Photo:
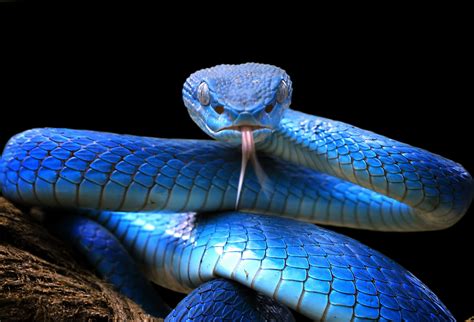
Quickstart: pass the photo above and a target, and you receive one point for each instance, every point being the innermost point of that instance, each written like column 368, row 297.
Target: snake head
column 225, row 99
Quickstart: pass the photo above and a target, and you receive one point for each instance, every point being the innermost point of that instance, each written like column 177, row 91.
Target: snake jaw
column 233, row 134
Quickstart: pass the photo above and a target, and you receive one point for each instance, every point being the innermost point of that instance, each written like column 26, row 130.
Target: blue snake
column 165, row 209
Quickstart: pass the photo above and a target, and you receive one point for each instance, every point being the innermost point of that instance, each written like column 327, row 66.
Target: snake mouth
column 244, row 126
column 233, row 134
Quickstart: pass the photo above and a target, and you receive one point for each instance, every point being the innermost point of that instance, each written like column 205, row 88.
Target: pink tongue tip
column 248, row 152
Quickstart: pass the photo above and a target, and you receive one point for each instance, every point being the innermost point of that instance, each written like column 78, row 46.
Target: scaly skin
column 228, row 301
column 438, row 191
column 314, row 271
column 320, row 171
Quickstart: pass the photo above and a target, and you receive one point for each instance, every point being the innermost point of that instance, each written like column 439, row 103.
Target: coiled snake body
column 171, row 205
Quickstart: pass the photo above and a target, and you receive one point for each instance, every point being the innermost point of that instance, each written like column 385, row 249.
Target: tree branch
column 40, row 279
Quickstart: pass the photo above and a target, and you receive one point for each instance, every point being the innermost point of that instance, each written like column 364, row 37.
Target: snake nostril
column 219, row 109
column 269, row 108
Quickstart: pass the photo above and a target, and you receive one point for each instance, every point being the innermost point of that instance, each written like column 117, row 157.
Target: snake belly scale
column 170, row 203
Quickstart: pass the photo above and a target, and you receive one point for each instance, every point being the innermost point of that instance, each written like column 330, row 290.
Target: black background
column 406, row 81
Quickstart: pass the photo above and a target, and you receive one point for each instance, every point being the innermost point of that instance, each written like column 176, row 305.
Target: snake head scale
column 225, row 99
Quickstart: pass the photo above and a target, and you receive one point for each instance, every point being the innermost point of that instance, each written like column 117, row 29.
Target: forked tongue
column 248, row 152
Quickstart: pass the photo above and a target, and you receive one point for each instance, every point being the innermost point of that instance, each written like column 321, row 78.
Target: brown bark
column 40, row 279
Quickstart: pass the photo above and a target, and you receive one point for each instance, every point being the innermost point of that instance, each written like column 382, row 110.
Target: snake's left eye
column 203, row 94
column 282, row 92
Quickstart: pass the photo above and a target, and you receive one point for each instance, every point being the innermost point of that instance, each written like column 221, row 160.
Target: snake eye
column 269, row 108
column 203, row 94
column 282, row 92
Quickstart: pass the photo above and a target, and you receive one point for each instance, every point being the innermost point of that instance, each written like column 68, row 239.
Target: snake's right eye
column 203, row 94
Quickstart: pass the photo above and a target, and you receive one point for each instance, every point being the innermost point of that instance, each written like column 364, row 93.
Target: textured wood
column 40, row 279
